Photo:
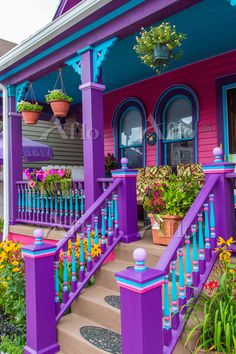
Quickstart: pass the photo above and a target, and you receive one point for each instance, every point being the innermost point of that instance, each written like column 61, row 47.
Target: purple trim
column 64, row 6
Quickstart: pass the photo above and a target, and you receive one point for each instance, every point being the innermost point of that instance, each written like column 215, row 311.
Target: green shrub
column 28, row 106
column 57, row 95
column 9, row 346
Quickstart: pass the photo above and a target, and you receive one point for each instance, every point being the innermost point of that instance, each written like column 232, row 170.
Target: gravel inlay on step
column 102, row 338
column 113, row 300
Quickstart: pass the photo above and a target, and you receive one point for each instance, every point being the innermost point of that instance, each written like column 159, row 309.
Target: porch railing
column 50, row 208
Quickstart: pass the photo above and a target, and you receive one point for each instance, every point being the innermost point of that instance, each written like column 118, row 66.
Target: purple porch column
column 40, row 303
column 127, row 202
column 223, row 194
column 93, row 127
column 15, row 154
column 141, row 307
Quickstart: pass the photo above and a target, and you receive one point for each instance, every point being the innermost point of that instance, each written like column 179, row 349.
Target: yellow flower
column 96, row 251
column 220, row 241
column 15, row 263
column 16, row 270
column 229, row 241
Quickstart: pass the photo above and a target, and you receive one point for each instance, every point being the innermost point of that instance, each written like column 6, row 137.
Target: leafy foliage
column 28, row 106
column 58, row 95
column 11, row 346
column 110, row 163
column 164, row 34
column 214, row 314
column 1, row 225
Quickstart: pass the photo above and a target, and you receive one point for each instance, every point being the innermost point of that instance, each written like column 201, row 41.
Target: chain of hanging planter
column 58, row 99
column 29, row 107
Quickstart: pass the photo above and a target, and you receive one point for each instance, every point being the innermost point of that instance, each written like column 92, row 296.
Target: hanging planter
column 159, row 45
column 30, row 111
column 58, row 99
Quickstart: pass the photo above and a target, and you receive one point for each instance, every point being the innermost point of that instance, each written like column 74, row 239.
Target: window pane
column 131, row 128
column 180, row 152
column 231, row 101
column 178, row 120
column 135, row 156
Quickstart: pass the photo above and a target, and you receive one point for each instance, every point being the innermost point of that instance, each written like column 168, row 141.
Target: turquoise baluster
column 182, row 290
column 51, row 207
column 47, row 207
column 81, row 202
column 56, row 272
column 103, row 245
column 207, row 233
column 212, row 223
column 116, row 215
column 56, row 207
column 189, row 278
column 38, row 206
column 19, row 202
column 30, row 204
column 71, row 208
column 89, row 260
column 201, row 245
column 66, row 209
column 61, row 208
column 196, row 275
column 112, row 209
column 26, row 202
column 34, row 205
column 23, row 202
column 65, row 295
column 175, row 310
column 167, row 317
column 105, row 217
column 76, row 204
column 96, row 239
column 81, row 269
column 110, row 228
column 73, row 265
column 42, row 207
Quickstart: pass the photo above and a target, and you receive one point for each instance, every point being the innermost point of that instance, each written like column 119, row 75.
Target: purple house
column 117, row 102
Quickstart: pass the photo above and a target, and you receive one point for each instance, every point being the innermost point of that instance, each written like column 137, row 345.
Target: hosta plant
column 214, row 314
column 23, row 106
column 57, row 95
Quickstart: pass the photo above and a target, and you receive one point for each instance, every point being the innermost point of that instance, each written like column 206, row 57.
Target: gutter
column 52, row 30
column 6, row 192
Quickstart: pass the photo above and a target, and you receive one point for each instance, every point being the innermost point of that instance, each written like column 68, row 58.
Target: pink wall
column 200, row 77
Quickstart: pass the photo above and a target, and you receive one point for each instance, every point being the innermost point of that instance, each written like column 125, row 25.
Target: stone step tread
column 97, row 294
column 69, row 326
column 116, row 266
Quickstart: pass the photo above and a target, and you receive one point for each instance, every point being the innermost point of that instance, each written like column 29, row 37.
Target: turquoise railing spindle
column 81, row 259
column 189, row 277
column 23, row 202
column 19, row 201
column 167, row 315
column 66, row 209
column 89, row 259
column 207, row 233
column 112, row 209
column 34, row 205
column 26, row 201
column 61, row 208
column 42, row 206
column 96, row 235
column 30, row 203
column 81, row 202
column 38, row 206
column 46, row 207
column 116, row 215
column 65, row 295
column 56, row 207
column 56, row 275
column 105, row 217
column 71, row 208
column 51, row 207
column 201, row 245
column 110, row 229
column 196, row 275
column 182, row 290
column 76, row 204
column 103, row 231
column 212, row 223
column 175, row 310
column 73, row 265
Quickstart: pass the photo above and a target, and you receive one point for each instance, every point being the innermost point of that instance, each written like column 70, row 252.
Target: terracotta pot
column 60, row 108
column 164, row 235
column 30, row 117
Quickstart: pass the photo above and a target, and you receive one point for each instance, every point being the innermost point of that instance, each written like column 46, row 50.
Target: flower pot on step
column 30, row 117
column 162, row 234
column 60, row 108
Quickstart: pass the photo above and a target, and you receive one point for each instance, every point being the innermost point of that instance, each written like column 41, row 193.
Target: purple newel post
column 15, row 155
column 127, row 202
column 93, row 128
column 223, row 195
column 141, row 307
column 40, row 301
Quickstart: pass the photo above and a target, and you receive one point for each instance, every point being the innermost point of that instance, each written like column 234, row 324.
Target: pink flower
column 52, row 172
column 61, row 173
column 32, row 184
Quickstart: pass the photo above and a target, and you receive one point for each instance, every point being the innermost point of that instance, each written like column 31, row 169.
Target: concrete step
column 70, row 339
column 105, row 277
column 92, row 305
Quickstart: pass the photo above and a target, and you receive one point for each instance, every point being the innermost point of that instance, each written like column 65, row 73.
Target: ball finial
column 124, row 163
column 38, row 234
column 218, row 154
column 140, row 256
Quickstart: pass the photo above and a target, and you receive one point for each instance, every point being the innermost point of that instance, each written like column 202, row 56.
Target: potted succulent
column 166, row 204
column 157, row 46
column 59, row 102
column 110, row 164
column 1, row 228
column 30, row 111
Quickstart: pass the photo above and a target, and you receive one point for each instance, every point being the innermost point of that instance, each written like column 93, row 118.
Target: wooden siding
column 201, row 77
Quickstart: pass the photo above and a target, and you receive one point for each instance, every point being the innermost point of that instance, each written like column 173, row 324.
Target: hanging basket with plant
column 30, row 109
column 159, row 45
column 58, row 99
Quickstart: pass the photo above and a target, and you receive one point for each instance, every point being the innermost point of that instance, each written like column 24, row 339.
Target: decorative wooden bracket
column 100, row 53
column 21, row 90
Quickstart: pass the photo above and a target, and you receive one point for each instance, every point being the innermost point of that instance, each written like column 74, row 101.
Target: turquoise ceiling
column 211, row 29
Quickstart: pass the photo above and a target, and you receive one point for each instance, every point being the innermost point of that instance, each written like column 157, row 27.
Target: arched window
column 128, row 129
column 177, row 114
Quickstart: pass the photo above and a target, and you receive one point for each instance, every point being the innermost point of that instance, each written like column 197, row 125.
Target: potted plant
column 166, row 204
column 1, row 228
column 59, row 102
column 213, row 315
column 30, row 111
column 110, row 164
column 157, row 46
